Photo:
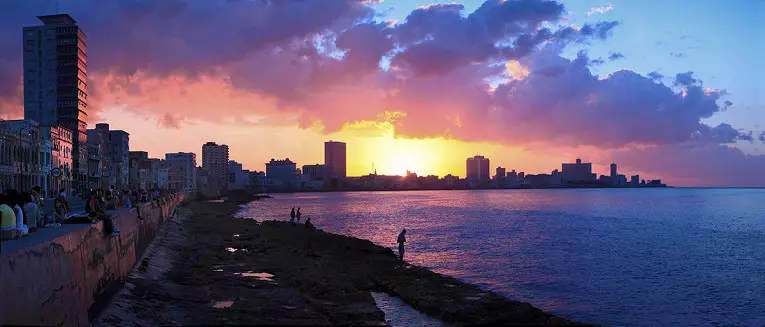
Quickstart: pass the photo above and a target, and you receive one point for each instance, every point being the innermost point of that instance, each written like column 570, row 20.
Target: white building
column 55, row 82
column 282, row 173
column 189, row 160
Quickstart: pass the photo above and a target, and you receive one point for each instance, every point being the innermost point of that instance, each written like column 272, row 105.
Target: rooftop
column 63, row 19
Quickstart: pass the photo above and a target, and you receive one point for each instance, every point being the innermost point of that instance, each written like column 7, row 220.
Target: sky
column 666, row 89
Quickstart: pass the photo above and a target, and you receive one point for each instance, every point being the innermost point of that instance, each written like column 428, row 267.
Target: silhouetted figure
column 401, row 240
column 297, row 215
column 308, row 223
column 292, row 216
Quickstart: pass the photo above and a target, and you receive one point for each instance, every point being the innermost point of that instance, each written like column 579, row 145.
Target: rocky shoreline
column 238, row 271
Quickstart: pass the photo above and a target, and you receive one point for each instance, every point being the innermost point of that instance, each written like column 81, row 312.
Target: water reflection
column 623, row 257
column 222, row 304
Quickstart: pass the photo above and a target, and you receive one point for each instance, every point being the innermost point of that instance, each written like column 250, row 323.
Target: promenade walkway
column 77, row 208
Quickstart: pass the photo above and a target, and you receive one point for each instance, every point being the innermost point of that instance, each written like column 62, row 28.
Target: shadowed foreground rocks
column 277, row 273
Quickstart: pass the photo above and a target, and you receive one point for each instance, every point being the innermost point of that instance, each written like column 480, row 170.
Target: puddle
column 261, row 276
column 400, row 314
column 215, row 201
column 236, row 235
column 232, row 250
column 222, row 304
column 218, row 269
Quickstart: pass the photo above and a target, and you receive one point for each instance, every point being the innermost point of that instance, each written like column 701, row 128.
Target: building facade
column 55, row 83
column 60, row 156
column 577, row 172
column 313, row 172
column 141, row 177
column 478, row 169
column 119, row 142
column 21, row 155
column 188, row 161
column 215, row 160
column 334, row 159
column 282, row 172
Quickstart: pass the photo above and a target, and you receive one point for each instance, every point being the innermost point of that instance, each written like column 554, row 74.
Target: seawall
column 66, row 279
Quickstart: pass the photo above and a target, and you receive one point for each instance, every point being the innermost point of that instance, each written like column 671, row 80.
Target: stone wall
column 66, row 280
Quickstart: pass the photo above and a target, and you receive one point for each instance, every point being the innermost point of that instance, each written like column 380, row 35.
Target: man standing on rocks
column 401, row 240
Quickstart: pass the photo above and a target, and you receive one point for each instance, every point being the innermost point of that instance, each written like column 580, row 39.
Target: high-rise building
column 238, row 178
column 577, row 172
column 478, row 169
column 55, row 83
column 189, row 163
column 614, row 174
column 635, row 180
column 334, row 159
column 215, row 160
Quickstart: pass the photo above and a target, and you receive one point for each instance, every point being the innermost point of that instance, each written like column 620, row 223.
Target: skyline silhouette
column 528, row 83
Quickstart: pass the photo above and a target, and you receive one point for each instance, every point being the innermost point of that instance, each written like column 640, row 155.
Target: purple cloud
column 615, row 56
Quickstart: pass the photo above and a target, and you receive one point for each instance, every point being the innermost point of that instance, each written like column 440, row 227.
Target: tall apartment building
column 577, row 172
column 189, row 163
column 215, row 160
column 334, row 159
column 55, row 83
column 478, row 169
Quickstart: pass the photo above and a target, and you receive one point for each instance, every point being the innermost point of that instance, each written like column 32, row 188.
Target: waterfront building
column 21, row 154
column 334, row 159
column 282, row 172
column 577, row 172
column 238, row 178
column 188, row 161
column 500, row 174
column 140, row 173
column 614, row 174
column 478, row 169
column 59, row 140
column 119, row 143
column 215, row 159
column 55, row 83
column 635, row 180
column 313, row 172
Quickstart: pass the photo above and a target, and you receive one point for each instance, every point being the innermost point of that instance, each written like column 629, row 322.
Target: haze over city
column 419, row 87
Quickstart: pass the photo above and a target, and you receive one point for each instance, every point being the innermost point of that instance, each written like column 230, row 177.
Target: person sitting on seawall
column 126, row 199
column 62, row 196
column 8, row 217
column 308, row 223
column 31, row 212
column 59, row 214
column 38, row 198
column 15, row 203
column 111, row 201
column 96, row 211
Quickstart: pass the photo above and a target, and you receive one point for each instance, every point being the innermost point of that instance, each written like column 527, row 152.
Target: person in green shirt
column 8, row 227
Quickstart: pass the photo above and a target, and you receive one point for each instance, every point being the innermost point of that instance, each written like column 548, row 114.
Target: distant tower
column 614, row 174
column 334, row 159
column 478, row 168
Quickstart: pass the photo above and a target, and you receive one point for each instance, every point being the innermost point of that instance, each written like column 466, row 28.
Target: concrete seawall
column 65, row 280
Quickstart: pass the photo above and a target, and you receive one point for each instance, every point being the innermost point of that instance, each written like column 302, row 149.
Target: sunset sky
column 666, row 89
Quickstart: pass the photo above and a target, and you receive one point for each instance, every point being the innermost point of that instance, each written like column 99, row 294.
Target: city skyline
column 448, row 110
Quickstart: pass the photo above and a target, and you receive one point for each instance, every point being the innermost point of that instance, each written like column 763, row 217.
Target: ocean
column 625, row 257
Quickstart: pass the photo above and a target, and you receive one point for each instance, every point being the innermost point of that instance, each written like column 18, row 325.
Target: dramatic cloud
column 493, row 75
column 600, row 10
column 615, row 56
